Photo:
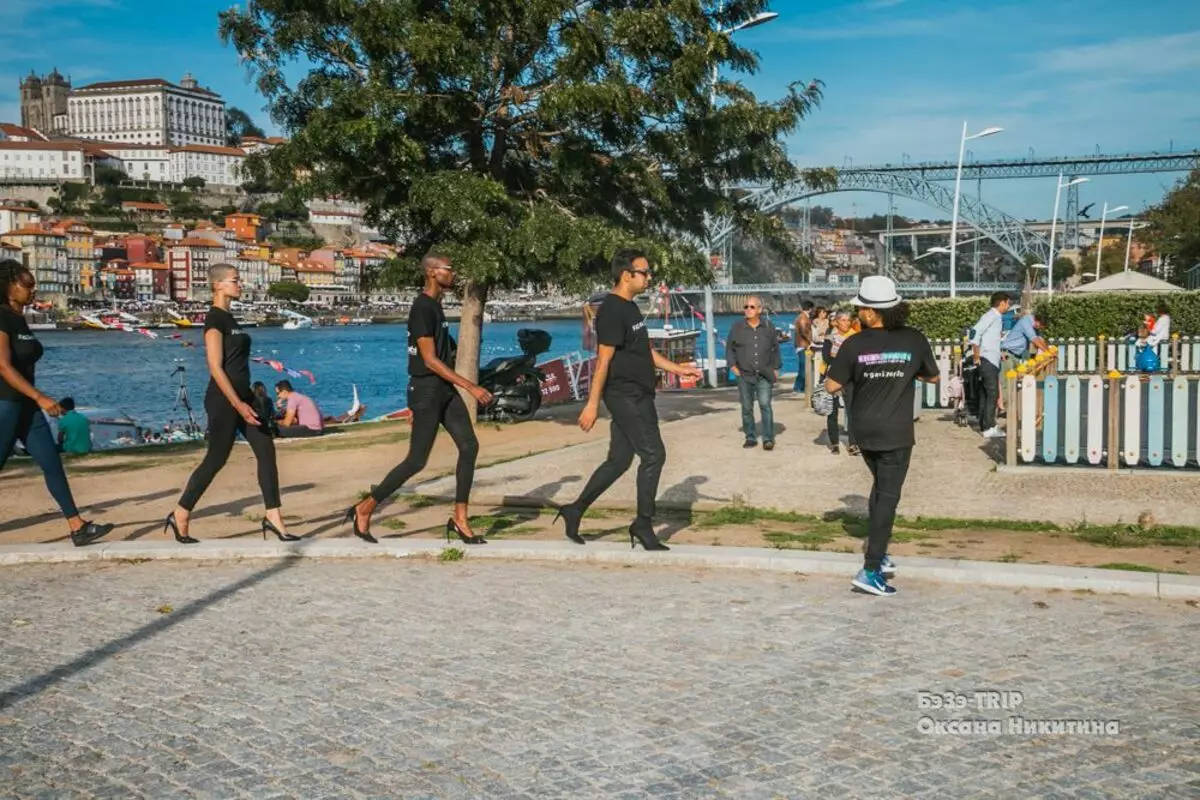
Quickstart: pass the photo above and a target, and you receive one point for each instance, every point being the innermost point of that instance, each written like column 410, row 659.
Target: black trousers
column 989, row 376
column 434, row 402
column 831, row 422
column 297, row 432
column 634, row 431
column 224, row 424
column 889, row 468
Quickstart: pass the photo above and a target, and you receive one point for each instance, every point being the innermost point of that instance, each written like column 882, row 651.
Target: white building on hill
column 148, row 111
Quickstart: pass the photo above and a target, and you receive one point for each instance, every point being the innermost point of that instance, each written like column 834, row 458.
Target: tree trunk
column 470, row 337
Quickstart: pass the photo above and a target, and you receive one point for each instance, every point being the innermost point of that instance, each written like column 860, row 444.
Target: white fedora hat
column 877, row 291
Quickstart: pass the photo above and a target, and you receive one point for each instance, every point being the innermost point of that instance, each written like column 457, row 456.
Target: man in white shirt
column 1162, row 326
column 989, row 333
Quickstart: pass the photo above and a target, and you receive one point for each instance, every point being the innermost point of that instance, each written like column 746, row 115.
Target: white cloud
column 1152, row 55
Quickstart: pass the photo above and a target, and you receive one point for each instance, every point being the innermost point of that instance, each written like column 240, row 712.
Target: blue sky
column 1063, row 77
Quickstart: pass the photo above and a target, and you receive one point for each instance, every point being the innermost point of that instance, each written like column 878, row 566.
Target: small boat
column 296, row 322
column 93, row 322
column 43, row 326
column 357, row 409
column 242, row 322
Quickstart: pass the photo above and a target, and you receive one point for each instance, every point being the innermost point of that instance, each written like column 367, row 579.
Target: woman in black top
column 229, row 403
column 21, row 404
column 434, row 401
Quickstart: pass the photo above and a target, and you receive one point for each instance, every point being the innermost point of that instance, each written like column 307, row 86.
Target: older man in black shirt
column 752, row 352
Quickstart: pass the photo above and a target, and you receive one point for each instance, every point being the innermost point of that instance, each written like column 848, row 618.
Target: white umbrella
column 1129, row 282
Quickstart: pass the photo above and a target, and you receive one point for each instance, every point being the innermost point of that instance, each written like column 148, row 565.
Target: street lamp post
column 1129, row 243
column 1100, row 240
column 710, row 325
column 1053, row 222
column 962, row 149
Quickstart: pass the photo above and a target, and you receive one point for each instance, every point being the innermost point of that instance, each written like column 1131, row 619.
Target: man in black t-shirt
column 434, row 401
column 624, row 378
column 881, row 364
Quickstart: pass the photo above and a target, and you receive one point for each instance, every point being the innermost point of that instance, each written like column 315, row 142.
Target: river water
column 132, row 374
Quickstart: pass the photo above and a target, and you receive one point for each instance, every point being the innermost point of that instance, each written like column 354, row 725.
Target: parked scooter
column 515, row 381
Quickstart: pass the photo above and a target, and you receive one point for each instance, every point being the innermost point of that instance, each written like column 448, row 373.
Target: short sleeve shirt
column 426, row 318
column 307, row 413
column 76, row 431
column 235, row 352
column 881, row 366
column 619, row 324
column 24, row 350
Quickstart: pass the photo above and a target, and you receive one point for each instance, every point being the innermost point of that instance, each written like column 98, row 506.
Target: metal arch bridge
column 913, row 289
column 916, row 181
column 1006, row 231
column 1073, row 166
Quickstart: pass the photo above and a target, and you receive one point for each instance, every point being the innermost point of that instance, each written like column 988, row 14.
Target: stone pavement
column 399, row 679
column 953, row 474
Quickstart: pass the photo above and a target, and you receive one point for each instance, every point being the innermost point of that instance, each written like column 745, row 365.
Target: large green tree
column 525, row 139
column 1173, row 229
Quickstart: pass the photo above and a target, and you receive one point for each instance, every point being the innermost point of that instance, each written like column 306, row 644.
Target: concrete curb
column 976, row 573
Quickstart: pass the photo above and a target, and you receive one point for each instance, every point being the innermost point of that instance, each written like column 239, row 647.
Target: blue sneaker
column 887, row 566
column 872, row 583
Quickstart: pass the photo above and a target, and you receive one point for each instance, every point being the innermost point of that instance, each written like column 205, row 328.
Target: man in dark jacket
column 752, row 351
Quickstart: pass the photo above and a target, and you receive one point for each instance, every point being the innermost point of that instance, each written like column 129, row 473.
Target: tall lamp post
column 710, row 325
column 1129, row 242
column 962, row 150
column 1053, row 222
column 1100, row 240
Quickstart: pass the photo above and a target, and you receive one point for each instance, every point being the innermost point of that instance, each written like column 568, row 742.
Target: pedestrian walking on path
column 986, row 341
column 881, row 364
column 229, row 403
column 435, row 402
column 841, row 330
column 21, row 404
column 802, row 340
column 624, row 378
column 752, row 351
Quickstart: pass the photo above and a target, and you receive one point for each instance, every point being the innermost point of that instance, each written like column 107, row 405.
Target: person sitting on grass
column 303, row 416
column 74, row 429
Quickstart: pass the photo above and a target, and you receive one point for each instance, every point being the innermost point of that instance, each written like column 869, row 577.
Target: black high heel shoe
column 645, row 535
column 283, row 537
column 452, row 527
column 182, row 538
column 571, row 517
column 352, row 518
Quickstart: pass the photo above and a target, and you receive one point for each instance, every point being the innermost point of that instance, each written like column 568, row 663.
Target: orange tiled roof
column 9, row 129
column 32, row 231
column 149, row 265
column 193, row 241
column 211, row 149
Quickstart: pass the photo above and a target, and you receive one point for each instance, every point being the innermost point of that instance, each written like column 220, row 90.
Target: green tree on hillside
column 288, row 291
column 1173, row 231
column 527, row 139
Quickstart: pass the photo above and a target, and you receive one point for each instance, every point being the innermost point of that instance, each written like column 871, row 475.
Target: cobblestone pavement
column 425, row 679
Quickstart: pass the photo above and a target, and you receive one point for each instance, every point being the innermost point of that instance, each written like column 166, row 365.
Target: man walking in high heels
column 624, row 378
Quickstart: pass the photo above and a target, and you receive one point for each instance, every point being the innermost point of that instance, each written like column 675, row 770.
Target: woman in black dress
column 229, row 403
column 21, row 404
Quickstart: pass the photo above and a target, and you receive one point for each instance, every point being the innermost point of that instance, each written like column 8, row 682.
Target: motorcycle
column 515, row 381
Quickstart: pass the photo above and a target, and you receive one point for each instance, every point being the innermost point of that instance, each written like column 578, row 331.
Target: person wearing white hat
column 881, row 364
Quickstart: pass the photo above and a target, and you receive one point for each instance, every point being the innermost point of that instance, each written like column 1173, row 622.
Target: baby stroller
column 965, row 391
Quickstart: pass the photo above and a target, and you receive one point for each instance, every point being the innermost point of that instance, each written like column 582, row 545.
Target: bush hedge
column 1070, row 315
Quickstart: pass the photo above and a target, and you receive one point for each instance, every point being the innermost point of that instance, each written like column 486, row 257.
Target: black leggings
column 434, row 402
column 224, row 424
column 23, row 420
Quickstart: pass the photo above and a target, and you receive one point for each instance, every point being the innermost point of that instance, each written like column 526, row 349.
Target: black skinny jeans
column 224, row 424
column 434, row 402
column 889, row 468
column 989, row 375
column 23, row 420
column 634, row 431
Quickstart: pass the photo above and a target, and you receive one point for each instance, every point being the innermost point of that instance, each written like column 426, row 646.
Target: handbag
column 822, row 401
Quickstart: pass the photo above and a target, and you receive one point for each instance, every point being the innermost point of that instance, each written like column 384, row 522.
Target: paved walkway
column 953, row 475
column 391, row 679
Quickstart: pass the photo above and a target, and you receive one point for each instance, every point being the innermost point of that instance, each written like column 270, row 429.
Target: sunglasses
column 747, row 308
column 645, row 272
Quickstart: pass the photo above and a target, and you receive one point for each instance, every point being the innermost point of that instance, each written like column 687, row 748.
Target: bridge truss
column 1008, row 232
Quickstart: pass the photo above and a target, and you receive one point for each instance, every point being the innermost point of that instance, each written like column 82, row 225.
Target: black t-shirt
column 235, row 352
column 880, row 367
column 619, row 323
column 24, row 349
column 427, row 319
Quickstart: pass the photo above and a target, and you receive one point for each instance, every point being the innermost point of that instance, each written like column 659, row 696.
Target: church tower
column 44, row 102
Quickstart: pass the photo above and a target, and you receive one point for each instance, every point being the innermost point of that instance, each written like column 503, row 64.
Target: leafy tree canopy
column 525, row 138
column 1173, row 231
column 288, row 291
